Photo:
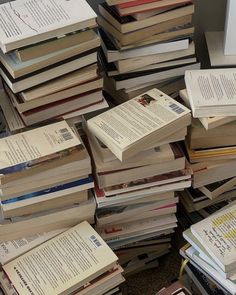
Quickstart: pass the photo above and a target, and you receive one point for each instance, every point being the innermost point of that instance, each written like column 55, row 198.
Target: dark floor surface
column 150, row 281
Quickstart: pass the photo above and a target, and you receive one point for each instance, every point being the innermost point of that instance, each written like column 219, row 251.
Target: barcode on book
column 95, row 241
column 176, row 108
column 66, row 134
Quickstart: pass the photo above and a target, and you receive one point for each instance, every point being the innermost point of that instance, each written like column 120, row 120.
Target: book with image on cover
column 27, row 22
column 137, row 124
column 33, row 148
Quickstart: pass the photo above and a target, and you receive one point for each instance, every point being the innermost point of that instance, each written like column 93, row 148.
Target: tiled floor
column 151, row 281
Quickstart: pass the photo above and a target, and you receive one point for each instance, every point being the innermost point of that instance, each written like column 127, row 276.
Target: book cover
column 73, row 258
column 30, row 148
column 126, row 124
column 217, row 234
column 25, row 19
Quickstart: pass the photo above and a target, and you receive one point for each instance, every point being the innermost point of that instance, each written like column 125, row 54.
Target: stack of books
column 211, row 248
column 210, row 144
column 76, row 262
column 45, row 181
column 48, row 59
column 145, row 44
column 138, row 168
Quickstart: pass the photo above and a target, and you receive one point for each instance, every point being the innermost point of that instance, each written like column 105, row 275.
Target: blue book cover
column 50, row 190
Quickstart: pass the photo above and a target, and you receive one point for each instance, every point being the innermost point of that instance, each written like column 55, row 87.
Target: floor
column 150, row 281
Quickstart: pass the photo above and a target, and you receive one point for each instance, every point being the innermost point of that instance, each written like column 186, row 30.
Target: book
column 143, row 6
column 132, row 80
column 50, row 72
column 216, row 234
column 205, row 98
column 113, row 54
column 61, row 107
column 155, row 33
column 49, row 220
column 17, row 68
column 15, row 248
column 83, row 88
column 227, row 284
column 49, row 46
column 85, row 244
column 213, row 190
column 27, row 151
column 157, row 61
column 61, row 83
column 146, row 107
column 41, row 21
column 52, row 198
column 175, row 288
column 208, row 122
column 129, row 24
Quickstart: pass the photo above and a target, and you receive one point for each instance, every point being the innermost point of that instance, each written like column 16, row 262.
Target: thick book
column 217, row 235
column 26, row 22
column 33, row 148
column 211, row 92
column 154, row 116
column 78, row 256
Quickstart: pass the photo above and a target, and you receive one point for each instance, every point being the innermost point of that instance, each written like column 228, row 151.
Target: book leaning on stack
column 138, row 167
column 210, row 144
column 145, row 45
column 77, row 262
column 48, row 63
column 211, row 248
column 45, row 181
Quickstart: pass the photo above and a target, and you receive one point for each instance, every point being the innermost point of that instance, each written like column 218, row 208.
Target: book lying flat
column 28, row 22
column 78, row 255
column 211, row 92
column 154, row 115
column 31, row 149
column 143, row 6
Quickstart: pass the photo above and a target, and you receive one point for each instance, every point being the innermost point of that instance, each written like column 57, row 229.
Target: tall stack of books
column 138, row 167
column 76, row 262
column 210, row 145
column 145, row 45
column 45, row 181
column 211, row 250
column 48, row 59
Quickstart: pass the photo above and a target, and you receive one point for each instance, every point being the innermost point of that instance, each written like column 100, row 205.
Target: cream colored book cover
column 135, row 119
column 218, row 236
column 18, row 151
column 63, row 264
column 26, row 19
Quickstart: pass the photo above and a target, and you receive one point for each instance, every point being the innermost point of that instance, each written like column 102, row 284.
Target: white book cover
column 209, row 88
column 10, row 250
column 126, row 124
column 217, row 234
column 22, row 148
column 24, row 19
column 62, row 264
